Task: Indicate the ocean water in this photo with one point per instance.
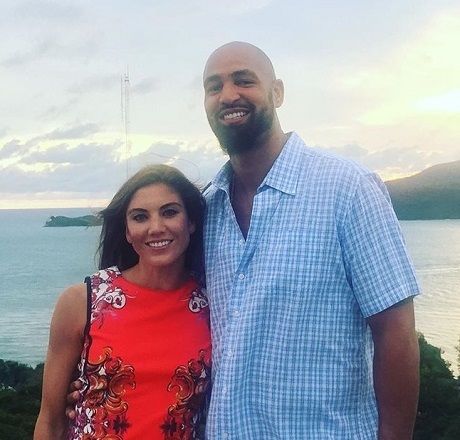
(37, 263)
(435, 250)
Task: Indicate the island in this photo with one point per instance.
(63, 221)
(432, 194)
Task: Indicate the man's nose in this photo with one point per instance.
(229, 93)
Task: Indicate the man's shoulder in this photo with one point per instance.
(333, 175)
(316, 161)
(322, 158)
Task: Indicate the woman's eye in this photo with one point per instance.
(170, 212)
(139, 217)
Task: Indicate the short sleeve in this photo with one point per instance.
(378, 266)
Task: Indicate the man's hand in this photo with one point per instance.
(72, 398)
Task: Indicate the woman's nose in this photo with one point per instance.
(156, 224)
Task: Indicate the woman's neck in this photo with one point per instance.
(157, 277)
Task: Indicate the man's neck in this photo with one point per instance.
(251, 167)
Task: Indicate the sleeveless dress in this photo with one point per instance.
(145, 363)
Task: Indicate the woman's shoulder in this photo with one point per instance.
(72, 299)
(70, 311)
(73, 293)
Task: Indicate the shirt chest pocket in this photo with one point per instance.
(299, 257)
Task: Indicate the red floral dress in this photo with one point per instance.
(145, 362)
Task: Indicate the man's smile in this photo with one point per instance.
(233, 115)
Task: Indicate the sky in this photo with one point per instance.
(377, 82)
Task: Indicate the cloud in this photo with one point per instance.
(85, 168)
(98, 167)
(75, 132)
(12, 148)
(39, 50)
(70, 178)
(39, 147)
(54, 111)
(92, 154)
(199, 164)
(99, 83)
(50, 11)
(351, 151)
(145, 86)
(54, 47)
(448, 102)
(203, 10)
(391, 162)
(422, 72)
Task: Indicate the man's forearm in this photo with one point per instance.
(396, 371)
(396, 384)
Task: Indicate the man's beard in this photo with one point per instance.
(237, 139)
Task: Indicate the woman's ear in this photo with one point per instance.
(191, 227)
(128, 236)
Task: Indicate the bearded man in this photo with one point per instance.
(309, 282)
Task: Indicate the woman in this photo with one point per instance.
(137, 331)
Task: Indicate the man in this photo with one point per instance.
(309, 283)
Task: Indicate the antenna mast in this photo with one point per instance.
(125, 116)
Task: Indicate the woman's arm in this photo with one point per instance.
(64, 349)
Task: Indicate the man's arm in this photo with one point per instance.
(396, 370)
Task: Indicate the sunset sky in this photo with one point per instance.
(378, 82)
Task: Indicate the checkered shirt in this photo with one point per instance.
(292, 353)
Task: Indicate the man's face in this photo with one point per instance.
(238, 99)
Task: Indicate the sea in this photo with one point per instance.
(37, 263)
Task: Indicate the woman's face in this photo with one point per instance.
(157, 226)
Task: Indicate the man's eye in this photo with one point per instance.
(213, 88)
(244, 82)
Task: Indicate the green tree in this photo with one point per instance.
(439, 404)
(20, 392)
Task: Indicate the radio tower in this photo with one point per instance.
(125, 116)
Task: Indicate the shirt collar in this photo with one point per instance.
(223, 177)
(283, 174)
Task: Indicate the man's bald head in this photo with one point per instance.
(241, 97)
(244, 53)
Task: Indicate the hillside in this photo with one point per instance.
(432, 194)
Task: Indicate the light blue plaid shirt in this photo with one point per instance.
(292, 353)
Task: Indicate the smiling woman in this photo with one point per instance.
(139, 328)
(158, 229)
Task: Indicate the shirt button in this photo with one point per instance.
(236, 312)
(229, 353)
(226, 435)
(241, 242)
(224, 390)
(241, 276)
